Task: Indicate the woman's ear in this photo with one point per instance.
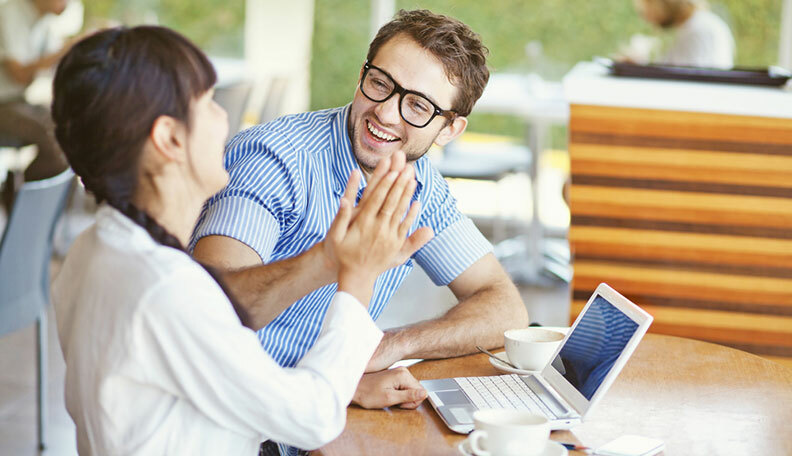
(169, 137)
(451, 131)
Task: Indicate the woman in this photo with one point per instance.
(157, 360)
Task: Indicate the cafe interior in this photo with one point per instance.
(604, 149)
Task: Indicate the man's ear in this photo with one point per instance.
(451, 131)
(169, 137)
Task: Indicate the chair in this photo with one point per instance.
(14, 175)
(11, 142)
(234, 99)
(485, 162)
(274, 99)
(529, 258)
(25, 251)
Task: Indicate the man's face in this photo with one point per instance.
(654, 13)
(377, 130)
(51, 6)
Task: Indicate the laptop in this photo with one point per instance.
(579, 374)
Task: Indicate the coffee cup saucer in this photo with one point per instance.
(501, 366)
(551, 449)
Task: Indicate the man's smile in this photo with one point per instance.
(380, 135)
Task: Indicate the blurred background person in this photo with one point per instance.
(700, 37)
(33, 37)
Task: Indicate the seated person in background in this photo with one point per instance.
(31, 40)
(701, 38)
(157, 358)
(421, 77)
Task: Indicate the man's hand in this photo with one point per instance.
(387, 388)
(21, 74)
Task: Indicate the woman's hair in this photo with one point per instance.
(108, 91)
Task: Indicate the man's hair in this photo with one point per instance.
(461, 51)
(674, 10)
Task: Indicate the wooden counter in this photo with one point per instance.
(686, 212)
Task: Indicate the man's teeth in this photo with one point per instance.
(380, 134)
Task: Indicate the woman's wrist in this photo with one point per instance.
(357, 283)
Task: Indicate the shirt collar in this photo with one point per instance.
(343, 160)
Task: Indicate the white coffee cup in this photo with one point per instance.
(531, 348)
(507, 432)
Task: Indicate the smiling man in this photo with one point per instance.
(422, 75)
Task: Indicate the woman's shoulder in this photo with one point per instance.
(119, 263)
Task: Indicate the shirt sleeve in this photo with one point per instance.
(457, 243)
(265, 194)
(193, 346)
(64, 25)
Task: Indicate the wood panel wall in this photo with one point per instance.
(690, 216)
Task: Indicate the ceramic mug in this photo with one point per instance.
(531, 348)
(508, 432)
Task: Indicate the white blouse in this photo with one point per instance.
(157, 361)
(704, 40)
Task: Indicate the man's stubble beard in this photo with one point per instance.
(352, 131)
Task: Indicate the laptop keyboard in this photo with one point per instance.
(503, 391)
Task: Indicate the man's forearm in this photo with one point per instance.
(479, 319)
(19, 73)
(267, 290)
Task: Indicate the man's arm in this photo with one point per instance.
(489, 304)
(269, 289)
(23, 74)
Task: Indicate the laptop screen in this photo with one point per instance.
(594, 345)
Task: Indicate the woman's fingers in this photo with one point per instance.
(338, 229)
(350, 192)
(382, 169)
(372, 202)
(404, 185)
(416, 240)
(398, 160)
(403, 204)
(404, 226)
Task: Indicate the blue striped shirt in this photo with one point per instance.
(286, 180)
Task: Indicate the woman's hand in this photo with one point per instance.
(388, 388)
(366, 240)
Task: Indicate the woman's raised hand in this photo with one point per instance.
(366, 240)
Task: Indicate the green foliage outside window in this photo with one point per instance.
(569, 31)
(217, 26)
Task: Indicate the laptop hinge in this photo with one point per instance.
(554, 402)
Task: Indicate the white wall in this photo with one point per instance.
(785, 46)
(278, 43)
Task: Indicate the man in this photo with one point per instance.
(421, 78)
(32, 39)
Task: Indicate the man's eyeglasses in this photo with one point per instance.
(414, 107)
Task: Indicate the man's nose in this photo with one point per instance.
(388, 110)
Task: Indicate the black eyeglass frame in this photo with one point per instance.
(447, 113)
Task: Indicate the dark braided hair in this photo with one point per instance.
(108, 91)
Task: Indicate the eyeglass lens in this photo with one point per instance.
(415, 109)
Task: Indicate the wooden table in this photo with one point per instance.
(700, 398)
